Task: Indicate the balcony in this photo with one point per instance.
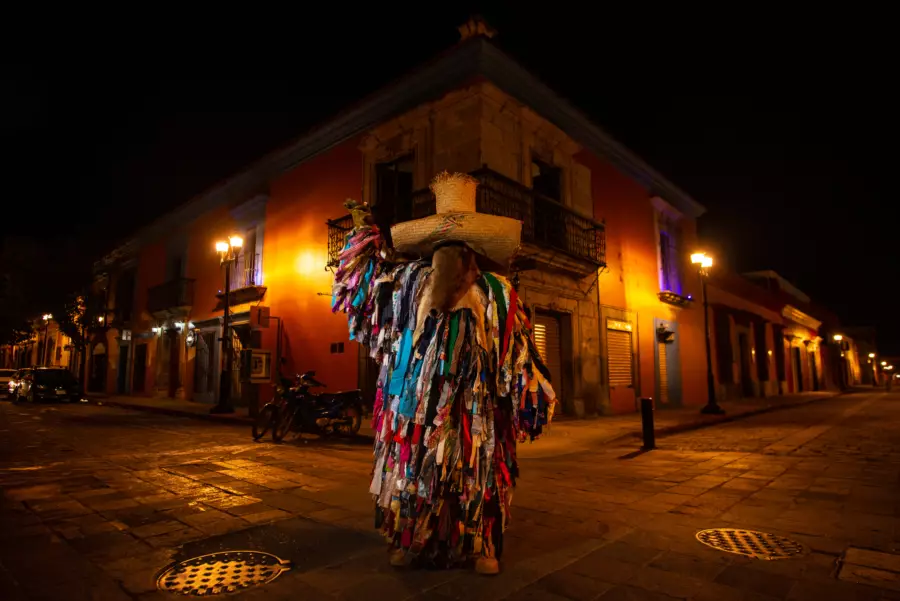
(172, 298)
(546, 224)
(246, 272)
(246, 282)
(557, 235)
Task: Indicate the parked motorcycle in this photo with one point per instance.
(296, 408)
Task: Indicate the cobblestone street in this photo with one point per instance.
(98, 500)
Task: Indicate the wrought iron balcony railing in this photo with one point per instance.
(337, 235)
(172, 295)
(246, 271)
(545, 222)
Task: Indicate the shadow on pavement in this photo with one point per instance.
(307, 544)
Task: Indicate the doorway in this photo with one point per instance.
(746, 365)
(548, 339)
(205, 367)
(139, 378)
(813, 372)
(662, 375)
(798, 372)
(393, 193)
(122, 375)
(368, 376)
(97, 376)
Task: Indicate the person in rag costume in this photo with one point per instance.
(461, 381)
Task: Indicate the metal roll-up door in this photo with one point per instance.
(547, 339)
(663, 374)
(619, 358)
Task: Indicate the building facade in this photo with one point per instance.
(604, 264)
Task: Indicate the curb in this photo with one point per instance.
(212, 417)
(724, 419)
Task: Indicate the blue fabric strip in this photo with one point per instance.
(402, 363)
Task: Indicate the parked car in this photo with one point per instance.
(16, 380)
(46, 383)
(6, 377)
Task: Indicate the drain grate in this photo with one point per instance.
(759, 545)
(220, 573)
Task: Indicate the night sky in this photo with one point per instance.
(782, 128)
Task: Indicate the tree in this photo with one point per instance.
(74, 315)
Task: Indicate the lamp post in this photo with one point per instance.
(47, 317)
(874, 369)
(228, 252)
(703, 263)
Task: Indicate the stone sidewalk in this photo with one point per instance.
(563, 433)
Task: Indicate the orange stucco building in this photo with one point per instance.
(603, 266)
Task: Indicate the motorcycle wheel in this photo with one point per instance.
(282, 424)
(264, 421)
(354, 415)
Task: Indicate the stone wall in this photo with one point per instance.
(482, 126)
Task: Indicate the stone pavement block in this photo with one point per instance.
(572, 586)
(835, 590)
(157, 528)
(267, 516)
(533, 593)
(175, 538)
(199, 515)
(110, 505)
(223, 526)
(710, 591)
(684, 489)
(746, 578)
(663, 581)
(33, 493)
(241, 510)
(629, 593)
(603, 568)
(227, 502)
(291, 501)
(688, 565)
(137, 574)
(378, 587)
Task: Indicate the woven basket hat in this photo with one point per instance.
(456, 220)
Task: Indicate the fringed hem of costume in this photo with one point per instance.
(456, 392)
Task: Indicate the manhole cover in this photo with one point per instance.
(760, 545)
(219, 573)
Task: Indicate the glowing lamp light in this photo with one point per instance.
(221, 247)
(884, 363)
(236, 241)
(889, 367)
(100, 319)
(47, 317)
(179, 325)
(838, 337)
(156, 330)
(871, 355)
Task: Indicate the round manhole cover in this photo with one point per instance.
(220, 573)
(760, 545)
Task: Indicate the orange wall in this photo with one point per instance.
(294, 257)
(632, 281)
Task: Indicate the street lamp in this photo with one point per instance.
(228, 251)
(47, 317)
(838, 337)
(703, 263)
